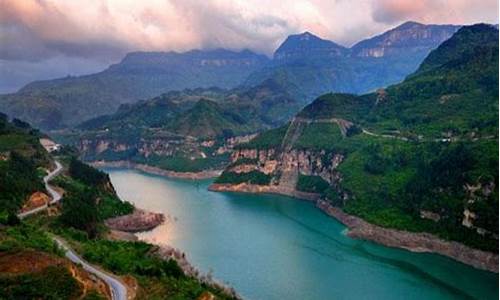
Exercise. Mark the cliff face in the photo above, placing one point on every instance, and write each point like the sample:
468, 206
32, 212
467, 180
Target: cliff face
179, 154
284, 167
281, 168
95, 147
410, 37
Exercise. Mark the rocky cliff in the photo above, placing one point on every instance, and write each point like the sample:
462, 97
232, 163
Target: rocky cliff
409, 37
162, 154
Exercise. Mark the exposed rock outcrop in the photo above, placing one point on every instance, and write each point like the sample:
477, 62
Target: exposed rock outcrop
138, 221
37, 199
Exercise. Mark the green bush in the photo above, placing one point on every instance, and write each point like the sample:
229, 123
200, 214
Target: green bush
18, 180
253, 177
87, 174
110, 206
129, 258
54, 282
79, 211
185, 164
267, 139
312, 184
27, 236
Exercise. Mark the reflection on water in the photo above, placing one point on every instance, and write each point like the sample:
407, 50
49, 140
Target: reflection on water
272, 247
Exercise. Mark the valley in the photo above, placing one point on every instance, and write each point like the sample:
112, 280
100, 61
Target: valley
245, 157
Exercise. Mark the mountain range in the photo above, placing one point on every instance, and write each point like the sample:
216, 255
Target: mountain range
309, 66
188, 130
68, 101
304, 65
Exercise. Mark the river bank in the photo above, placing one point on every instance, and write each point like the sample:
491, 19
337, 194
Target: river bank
123, 228
412, 241
263, 189
155, 170
360, 229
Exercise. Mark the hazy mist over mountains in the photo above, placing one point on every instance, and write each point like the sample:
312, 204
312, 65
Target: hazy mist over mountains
304, 64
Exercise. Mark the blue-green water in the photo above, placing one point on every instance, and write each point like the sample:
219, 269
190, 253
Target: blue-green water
272, 247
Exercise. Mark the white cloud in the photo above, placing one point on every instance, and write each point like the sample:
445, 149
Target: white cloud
103, 31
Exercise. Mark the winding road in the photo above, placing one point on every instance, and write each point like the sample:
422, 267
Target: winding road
53, 193
117, 288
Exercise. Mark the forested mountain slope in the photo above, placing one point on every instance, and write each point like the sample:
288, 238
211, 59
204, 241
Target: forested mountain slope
421, 155
140, 75
308, 66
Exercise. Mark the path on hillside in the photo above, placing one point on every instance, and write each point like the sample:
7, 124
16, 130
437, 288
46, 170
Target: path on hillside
344, 125
117, 288
53, 193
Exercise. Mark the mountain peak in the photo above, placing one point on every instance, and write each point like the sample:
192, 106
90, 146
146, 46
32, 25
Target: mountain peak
306, 35
306, 44
408, 24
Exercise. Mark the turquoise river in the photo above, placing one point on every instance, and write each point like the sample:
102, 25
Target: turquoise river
273, 247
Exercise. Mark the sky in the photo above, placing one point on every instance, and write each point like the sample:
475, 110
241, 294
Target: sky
43, 39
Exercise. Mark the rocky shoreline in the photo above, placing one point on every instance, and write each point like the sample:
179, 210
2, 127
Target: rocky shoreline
360, 229
412, 241
155, 170
263, 189
166, 252
124, 227
137, 221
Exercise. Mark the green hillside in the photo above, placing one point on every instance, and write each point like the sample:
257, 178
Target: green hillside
206, 118
30, 257
428, 144
308, 66
21, 157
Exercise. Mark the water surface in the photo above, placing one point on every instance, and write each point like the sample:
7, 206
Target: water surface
274, 247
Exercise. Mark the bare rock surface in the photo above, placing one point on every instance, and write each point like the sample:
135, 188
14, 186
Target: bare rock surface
139, 220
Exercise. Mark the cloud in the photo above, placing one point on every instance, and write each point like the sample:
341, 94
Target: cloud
99, 28
435, 11
102, 31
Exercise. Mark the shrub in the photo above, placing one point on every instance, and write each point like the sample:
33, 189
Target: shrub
253, 177
312, 184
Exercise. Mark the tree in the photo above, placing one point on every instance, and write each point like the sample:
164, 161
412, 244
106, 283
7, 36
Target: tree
80, 211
